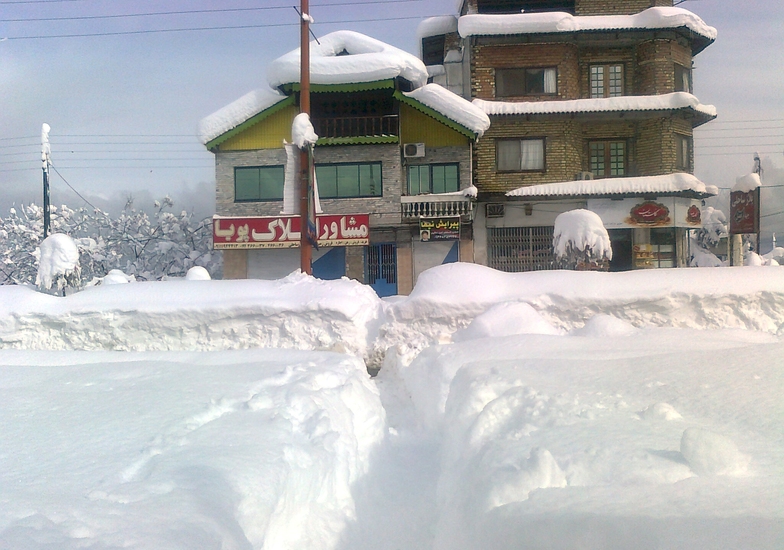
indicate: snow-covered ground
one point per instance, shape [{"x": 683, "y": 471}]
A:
[{"x": 541, "y": 410}]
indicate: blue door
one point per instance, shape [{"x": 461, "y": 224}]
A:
[{"x": 381, "y": 268}]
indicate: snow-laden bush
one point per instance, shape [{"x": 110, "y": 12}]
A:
[
  {"x": 58, "y": 263},
  {"x": 581, "y": 241},
  {"x": 141, "y": 246},
  {"x": 713, "y": 230}
]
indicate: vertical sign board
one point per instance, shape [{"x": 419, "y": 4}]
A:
[
  {"x": 439, "y": 229},
  {"x": 744, "y": 212}
]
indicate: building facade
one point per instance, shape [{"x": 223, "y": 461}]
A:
[{"x": 591, "y": 106}]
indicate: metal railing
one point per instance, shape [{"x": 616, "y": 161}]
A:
[
  {"x": 361, "y": 126},
  {"x": 432, "y": 206}
]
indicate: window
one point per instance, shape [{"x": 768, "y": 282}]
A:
[
  {"x": 433, "y": 178},
  {"x": 663, "y": 247},
  {"x": 608, "y": 158},
  {"x": 259, "y": 183},
  {"x": 433, "y": 50},
  {"x": 519, "y": 82},
  {"x": 683, "y": 146},
  {"x": 606, "y": 80},
  {"x": 520, "y": 155},
  {"x": 339, "y": 181},
  {"x": 682, "y": 79}
]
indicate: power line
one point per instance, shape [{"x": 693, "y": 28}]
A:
[
  {"x": 189, "y": 12},
  {"x": 217, "y": 28},
  {"x": 72, "y": 188}
]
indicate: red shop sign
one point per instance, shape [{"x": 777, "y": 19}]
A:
[
  {"x": 743, "y": 212},
  {"x": 649, "y": 213},
  {"x": 284, "y": 231}
]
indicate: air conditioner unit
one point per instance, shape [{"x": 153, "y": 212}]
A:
[
  {"x": 413, "y": 150},
  {"x": 584, "y": 176}
]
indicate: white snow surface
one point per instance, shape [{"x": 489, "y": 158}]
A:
[
  {"x": 747, "y": 183},
  {"x": 581, "y": 229},
  {"x": 560, "y": 22},
  {"x": 302, "y": 131},
  {"x": 58, "y": 256},
  {"x": 563, "y": 409},
  {"x": 677, "y": 182},
  {"x": 663, "y": 102},
  {"x": 435, "y": 26},
  {"x": 452, "y": 106},
  {"x": 237, "y": 112},
  {"x": 368, "y": 60}
]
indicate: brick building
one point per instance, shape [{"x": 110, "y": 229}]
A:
[
  {"x": 591, "y": 106},
  {"x": 392, "y": 151}
]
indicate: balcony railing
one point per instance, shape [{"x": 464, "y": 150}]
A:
[
  {"x": 433, "y": 206},
  {"x": 362, "y": 126}
]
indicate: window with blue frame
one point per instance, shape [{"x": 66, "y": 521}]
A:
[
  {"x": 350, "y": 180},
  {"x": 258, "y": 183},
  {"x": 433, "y": 178}
]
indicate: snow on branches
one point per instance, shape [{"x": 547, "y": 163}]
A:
[
  {"x": 142, "y": 246},
  {"x": 581, "y": 242}
]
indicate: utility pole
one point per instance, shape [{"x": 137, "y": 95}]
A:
[
  {"x": 306, "y": 251},
  {"x": 758, "y": 171},
  {"x": 46, "y": 161}
]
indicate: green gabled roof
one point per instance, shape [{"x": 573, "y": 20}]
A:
[
  {"x": 252, "y": 121},
  {"x": 388, "y": 84},
  {"x": 429, "y": 111},
  {"x": 363, "y": 140}
]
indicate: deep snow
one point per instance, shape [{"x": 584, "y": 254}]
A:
[{"x": 539, "y": 410}]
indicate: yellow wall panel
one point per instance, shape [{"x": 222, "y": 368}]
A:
[
  {"x": 267, "y": 134},
  {"x": 417, "y": 127}
]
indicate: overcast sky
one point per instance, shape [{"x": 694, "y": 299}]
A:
[{"x": 124, "y": 107}]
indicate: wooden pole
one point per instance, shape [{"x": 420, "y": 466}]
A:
[{"x": 306, "y": 251}]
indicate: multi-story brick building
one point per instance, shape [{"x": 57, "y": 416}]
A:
[
  {"x": 392, "y": 150},
  {"x": 591, "y": 106}
]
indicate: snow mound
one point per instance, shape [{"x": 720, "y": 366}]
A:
[
  {"x": 180, "y": 451},
  {"x": 560, "y": 22},
  {"x": 506, "y": 319},
  {"x": 237, "y": 112},
  {"x": 452, "y": 106},
  {"x": 58, "y": 261},
  {"x": 606, "y": 326},
  {"x": 117, "y": 277},
  {"x": 197, "y": 273},
  {"x": 660, "y": 411},
  {"x": 343, "y": 57},
  {"x": 515, "y": 483},
  {"x": 712, "y": 454}
]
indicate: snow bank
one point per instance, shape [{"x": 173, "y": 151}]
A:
[
  {"x": 506, "y": 319},
  {"x": 663, "y": 102},
  {"x": 452, "y": 106},
  {"x": 678, "y": 182},
  {"x": 237, "y": 112},
  {"x": 295, "y": 312},
  {"x": 541, "y": 441},
  {"x": 58, "y": 260},
  {"x": 560, "y": 22},
  {"x": 365, "y": 60},
  {"x": 253, "y": 449}
]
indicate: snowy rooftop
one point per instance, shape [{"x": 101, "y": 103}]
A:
[
  {"x": 664, "y": 102},
  {"x": 452, "y": 106},
  {"x": 561, "y": 22},
  {"x": 237, "y": 112},
  {"x": 434, "y": 26},
  {"x": 670, "y": 184},
  {"x": 344, "y": 57}
]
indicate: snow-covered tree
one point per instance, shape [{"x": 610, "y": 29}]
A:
[
  {"x": 142, "y": 246},
  {"x": 581, "y": 241},
  {"x": 58, "y": 263},
  {"x": 714, "y": 228}
]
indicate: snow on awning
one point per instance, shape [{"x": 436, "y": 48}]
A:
[
  {"x": 665, "y": 102},
  {"x": 677, "y": 184},
  {"x": 237, "y": 112},
  {"x": 344, "y": 57},
  {"x": 435, "y": 26},
  {"x": 452, "y": 106},
  {"x": 561, "y": 22}
]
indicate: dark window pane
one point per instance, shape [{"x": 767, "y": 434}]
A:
[
  {"x": 534, "y": 81},
  {"x": 433, "y": 50},
  {"x": 327, "y": 181},
  {"x": 258, "y": 183},
  {"x": 271, "y": 180},
  {"x": 418, "y": 180},
  {"x": 246, "y": 184},
  {"x": 510, "y": 82},
  {"x": 451, "y": 178},
  {"x": 348, "y": 180}
]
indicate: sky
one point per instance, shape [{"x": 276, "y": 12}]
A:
[{"x": 124, "y": 107}]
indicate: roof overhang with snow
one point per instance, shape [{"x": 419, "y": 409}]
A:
[
  {"x": 652, "y": 19},
  {"x": 676, "y": 101},
  {"x": 670, "y": 185}
]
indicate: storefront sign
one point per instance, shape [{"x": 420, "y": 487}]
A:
[
  {"x": 744, "y": 210},
  {"x": 439, "y": 229},
  {"x": 284, "y": 231},
  {"x": 663, "y": 212}
]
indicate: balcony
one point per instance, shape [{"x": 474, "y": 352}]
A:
[
  {"x": 435, "y": 206},
  {"x": 341, "y": 128}
]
